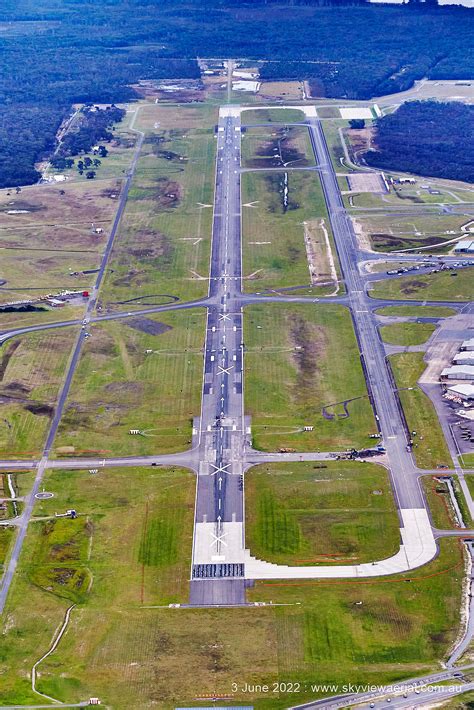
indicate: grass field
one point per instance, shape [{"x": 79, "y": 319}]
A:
[
  {"x": 274, "y": 251},
  {"x": 6, "y": 537},
  {"x": 333, "y": 139},
  {"x": 14, "y": 320},
  {"x": 164, "y": 240},
  {"x": 31, "y": 371},
  {"x": 417, "y": 311},
  {"x": 468, "y": 460},
  {"x": 294, "y": 369},
  {"x": 279, "y": 146},
  {"x": 430, "y": 448},
  {"x": 306, "y": 513},
  {"x": 431, "y": 287},
  {"x": 130, "y": 546},
  {"x": 359, "y": 632},
  {"x": 151, "y": 116},
  {"x": 50, "y": 272},
  {"x": 118, "y": 386},
  {"x": 272, "y": 115},
  {"x": 389, "y": 232},
  {"x": 407, "y": 333},
  {"x": 439, "y": 503}
]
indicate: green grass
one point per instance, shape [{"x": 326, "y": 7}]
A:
[
  {"x": 34, "y": 367},
  {"x": 164, "y": 241},
  {"x": 118, "y": 387},
  {"x": 389, "y": 232},
  {"x": 9, "y": 321},
  {"x": 294, "y": 368},
  {"x": 439, "y": 502},
  {"x": 6, "y": 537},
  {"x": 367, "y": 631},
  {"x": 430, "y": 448},
  {"x": 417, "y": 311},
  {"x": 274, "y": 252},
  {"x": 431, "y": 287},
  {"x": 272, "y": 115},
  {"x": 468, "y": 460},
  {"x": 96, "y": 562},
  {"x": 407, "y": 333},
  {"x": 278, "y": 146},
  {"x": 470, "y": 481},
  {"x": 306, "y": 513},
  {"x": 48, "y": 271},
  {"x": 333, "y": 139}
]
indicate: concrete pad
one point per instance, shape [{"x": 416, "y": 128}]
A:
[
  {"x": 356, "y": 112},
  {"x": 228, "y": 110},
  {"x": 418, "y": 547},
  {"x": 227, "y": 544}
]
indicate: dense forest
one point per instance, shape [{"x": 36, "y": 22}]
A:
[
  {"x": 57, "y": 52},
  {"x": 427, "y": 138}
]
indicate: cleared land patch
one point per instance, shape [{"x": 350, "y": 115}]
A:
[
  {"x": 302, "y": 367},
  {"x": 320, "y": 513},
  {"x": 429, "y": 446},
  {"x": 275, "y": 208},
  {"x": 407, "y": 333},
  {"x": 120, "y": 386},
  {"x": 31, "y": 371}
]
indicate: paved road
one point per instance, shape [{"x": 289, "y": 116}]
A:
[
  {"x": 378, "y": 696},
  {"x": 91, "y": 304},
  {"x": 406, "y": 486}
]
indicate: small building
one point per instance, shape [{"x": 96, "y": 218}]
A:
[
  {"x": 458, "y": 372},
  {"x": 406, "y": 181},
  {"x": 55, "y": 302},
  {"x": 467, "y": 344},
  {"x": 464, "y": 358},
  {"x": 465, "y": 392},
  {"x": 465, "y": 246}
]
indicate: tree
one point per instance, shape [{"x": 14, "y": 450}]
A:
[
  {"x": 357, "y": 123},
  {"x": 90, "y": 175}
]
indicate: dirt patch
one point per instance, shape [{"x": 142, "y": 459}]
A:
[
  {"x": 39, "y": 409},
  {"x": 390, "y": 242},
  {"x": 125, "y": 389},
  {"x": 362, "y": 235},
  {"x": 279, "y": 151},
  {"x": 360, "y": 140},
  {"x": 410, "y": 287},
  {"x": 7, "y": 355},
  {"x": 149, "y": 326},
  {"x": 309, "y": 342},
  {"x": 113, "y": 192},
  {"x": 16, "y": 389}
]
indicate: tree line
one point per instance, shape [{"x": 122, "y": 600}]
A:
[
  {"x": 426, "y": 138},
  {"x": 60, "y": 52}
]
